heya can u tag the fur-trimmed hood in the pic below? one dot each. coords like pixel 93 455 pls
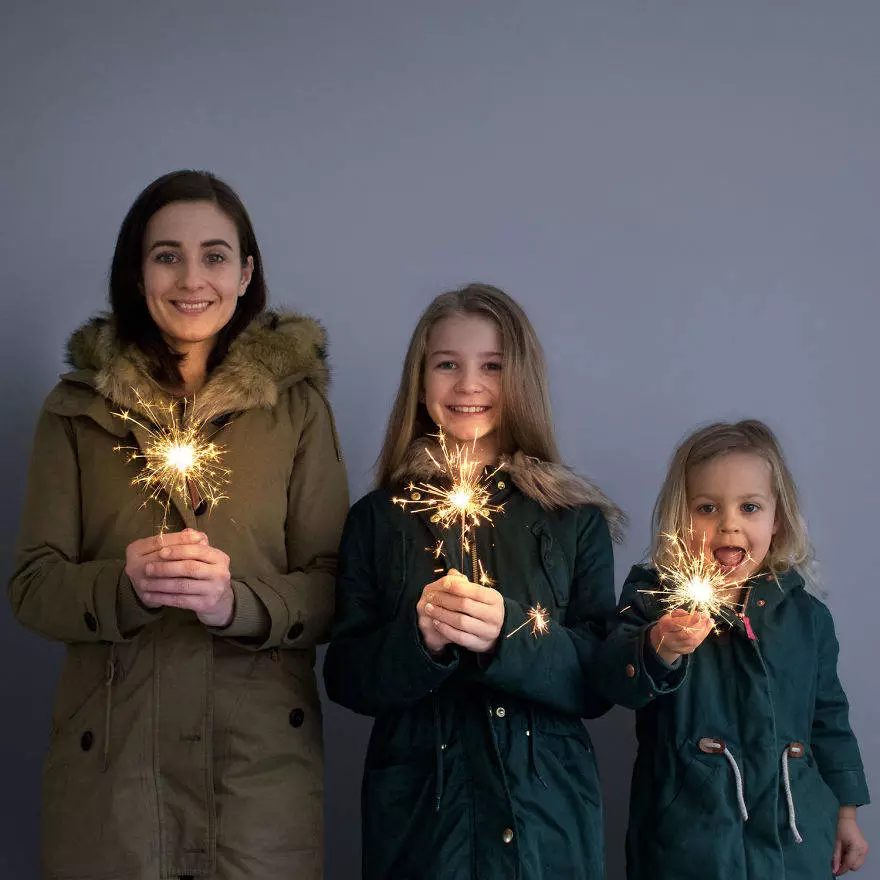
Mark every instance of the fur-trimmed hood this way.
pixel 274 351
pixel 553 486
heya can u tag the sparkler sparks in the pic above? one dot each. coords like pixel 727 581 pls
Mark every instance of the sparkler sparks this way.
pixel 539 618
pixel 694 581
pixel 176 458
pixel 466 502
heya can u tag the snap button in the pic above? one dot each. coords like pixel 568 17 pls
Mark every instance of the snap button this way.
pixel 90 621
pixel 796 750
pixel 416 496
pixel 507 835
pixel 630 670
pixel 761 603
pixel 502 484
pixel 500 712
pixel 297 716
pixel 711 746
pixel 87 740
pixel 296 630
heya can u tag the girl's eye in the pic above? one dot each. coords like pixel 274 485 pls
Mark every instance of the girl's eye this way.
pixel 445 365
pixel 492 366
pixel 750 507
pixel 706 509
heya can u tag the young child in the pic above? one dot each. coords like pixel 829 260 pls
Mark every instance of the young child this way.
pixel 478 765
pixel 747 768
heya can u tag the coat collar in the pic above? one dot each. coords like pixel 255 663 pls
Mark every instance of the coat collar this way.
pixel 553 486
pixel 274 352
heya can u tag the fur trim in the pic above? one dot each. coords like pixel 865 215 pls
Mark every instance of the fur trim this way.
pixel 276 350
pixel 553 486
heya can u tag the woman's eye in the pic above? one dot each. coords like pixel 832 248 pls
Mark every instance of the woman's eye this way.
pixel 165 257
pixel 216 258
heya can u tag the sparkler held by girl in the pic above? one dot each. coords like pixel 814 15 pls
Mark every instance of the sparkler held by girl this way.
pixel 429 656
pixel 747 767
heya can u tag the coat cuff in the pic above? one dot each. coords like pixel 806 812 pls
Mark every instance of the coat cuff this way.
pixel 250 617
pixel 131 613
pixel 849 786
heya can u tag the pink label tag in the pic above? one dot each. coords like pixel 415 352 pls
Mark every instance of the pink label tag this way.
pixel 749 631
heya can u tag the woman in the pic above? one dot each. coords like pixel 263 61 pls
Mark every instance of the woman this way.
pixel 186 735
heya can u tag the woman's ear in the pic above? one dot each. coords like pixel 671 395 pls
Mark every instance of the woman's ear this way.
pixel 247 272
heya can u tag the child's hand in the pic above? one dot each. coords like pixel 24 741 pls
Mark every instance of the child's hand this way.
pixel 850 848
pixel 679 633
pixel 463 613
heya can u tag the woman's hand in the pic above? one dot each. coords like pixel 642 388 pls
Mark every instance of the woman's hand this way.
pixel 182 570
pixel 463 613
pixel 431 637
pixel 850 848
pixel 679 633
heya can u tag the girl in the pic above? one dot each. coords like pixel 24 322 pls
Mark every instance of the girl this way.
pixel 749 770
pixel 478 764
pixel 186 737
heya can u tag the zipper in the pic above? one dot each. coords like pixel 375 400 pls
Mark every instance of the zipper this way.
pixel 744 617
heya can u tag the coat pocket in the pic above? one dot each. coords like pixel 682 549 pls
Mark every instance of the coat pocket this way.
pixel 556 567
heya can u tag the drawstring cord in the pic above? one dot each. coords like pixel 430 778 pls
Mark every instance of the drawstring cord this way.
pixel 532 734
pixel 108 708
pixel 739 784
pixel 438 753
pixel 786 779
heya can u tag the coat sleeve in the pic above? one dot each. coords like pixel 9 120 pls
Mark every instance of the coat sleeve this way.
pixel 561 669
pixel 52 591
pixel 632 674
pixel 294 609
pixel 376 662
pixel 834 745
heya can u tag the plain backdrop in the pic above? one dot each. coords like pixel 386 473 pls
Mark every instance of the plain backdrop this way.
pixel 683 195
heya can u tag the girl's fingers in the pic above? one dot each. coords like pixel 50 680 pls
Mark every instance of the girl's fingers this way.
pixel 462 622
pixel 465 640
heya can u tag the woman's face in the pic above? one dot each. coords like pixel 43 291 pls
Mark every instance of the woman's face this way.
pixel 193 273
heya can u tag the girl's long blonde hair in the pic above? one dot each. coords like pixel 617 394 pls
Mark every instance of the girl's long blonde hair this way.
pixel 790 547
pixel 525 422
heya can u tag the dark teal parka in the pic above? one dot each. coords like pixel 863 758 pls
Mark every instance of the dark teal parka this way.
pixel 768 709
pixel 478 766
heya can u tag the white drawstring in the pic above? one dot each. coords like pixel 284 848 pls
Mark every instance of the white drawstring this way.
pixel 739 784
pixel 786 779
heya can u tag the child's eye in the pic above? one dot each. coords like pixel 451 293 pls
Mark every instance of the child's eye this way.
pixel 445 365
pixel 492 366
pixel 706 509
pixel 750 507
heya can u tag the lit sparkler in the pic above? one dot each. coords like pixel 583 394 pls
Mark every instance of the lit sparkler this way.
pixel 176 458
pixel 695 582
pixel 539 619
pixel 466 501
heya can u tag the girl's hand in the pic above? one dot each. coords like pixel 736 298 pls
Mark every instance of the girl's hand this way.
pixel 465 614
pixel 679 633
pixel 144 550
pixel 850 848
pixel 194 576
pixel 431 637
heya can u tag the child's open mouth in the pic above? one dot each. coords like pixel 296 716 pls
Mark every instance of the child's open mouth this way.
pixel 730 557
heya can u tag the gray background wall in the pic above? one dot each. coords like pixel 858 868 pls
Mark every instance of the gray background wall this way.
pixel 684 195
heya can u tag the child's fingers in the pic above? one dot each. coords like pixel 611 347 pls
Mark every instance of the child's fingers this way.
pixel 835 859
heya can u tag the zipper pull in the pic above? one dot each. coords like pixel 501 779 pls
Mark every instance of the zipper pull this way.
pixel 749 631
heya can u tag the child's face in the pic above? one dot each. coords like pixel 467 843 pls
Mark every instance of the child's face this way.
pixel 462 384
pixel 731 502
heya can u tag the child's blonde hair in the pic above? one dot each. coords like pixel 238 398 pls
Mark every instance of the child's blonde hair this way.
pixel 525 423
pixel 790 547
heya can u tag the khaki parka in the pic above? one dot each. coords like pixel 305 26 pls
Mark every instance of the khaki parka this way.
pixel 176 749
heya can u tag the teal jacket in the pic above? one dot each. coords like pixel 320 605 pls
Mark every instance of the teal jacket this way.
pixel 478 766
pixel 751 750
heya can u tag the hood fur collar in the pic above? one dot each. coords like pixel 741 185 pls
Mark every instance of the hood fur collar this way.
pixel 276 350
pixel 553 486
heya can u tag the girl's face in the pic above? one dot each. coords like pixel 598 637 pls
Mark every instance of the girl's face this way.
pixel 731 502
pixel 462 383
pixel 192 272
